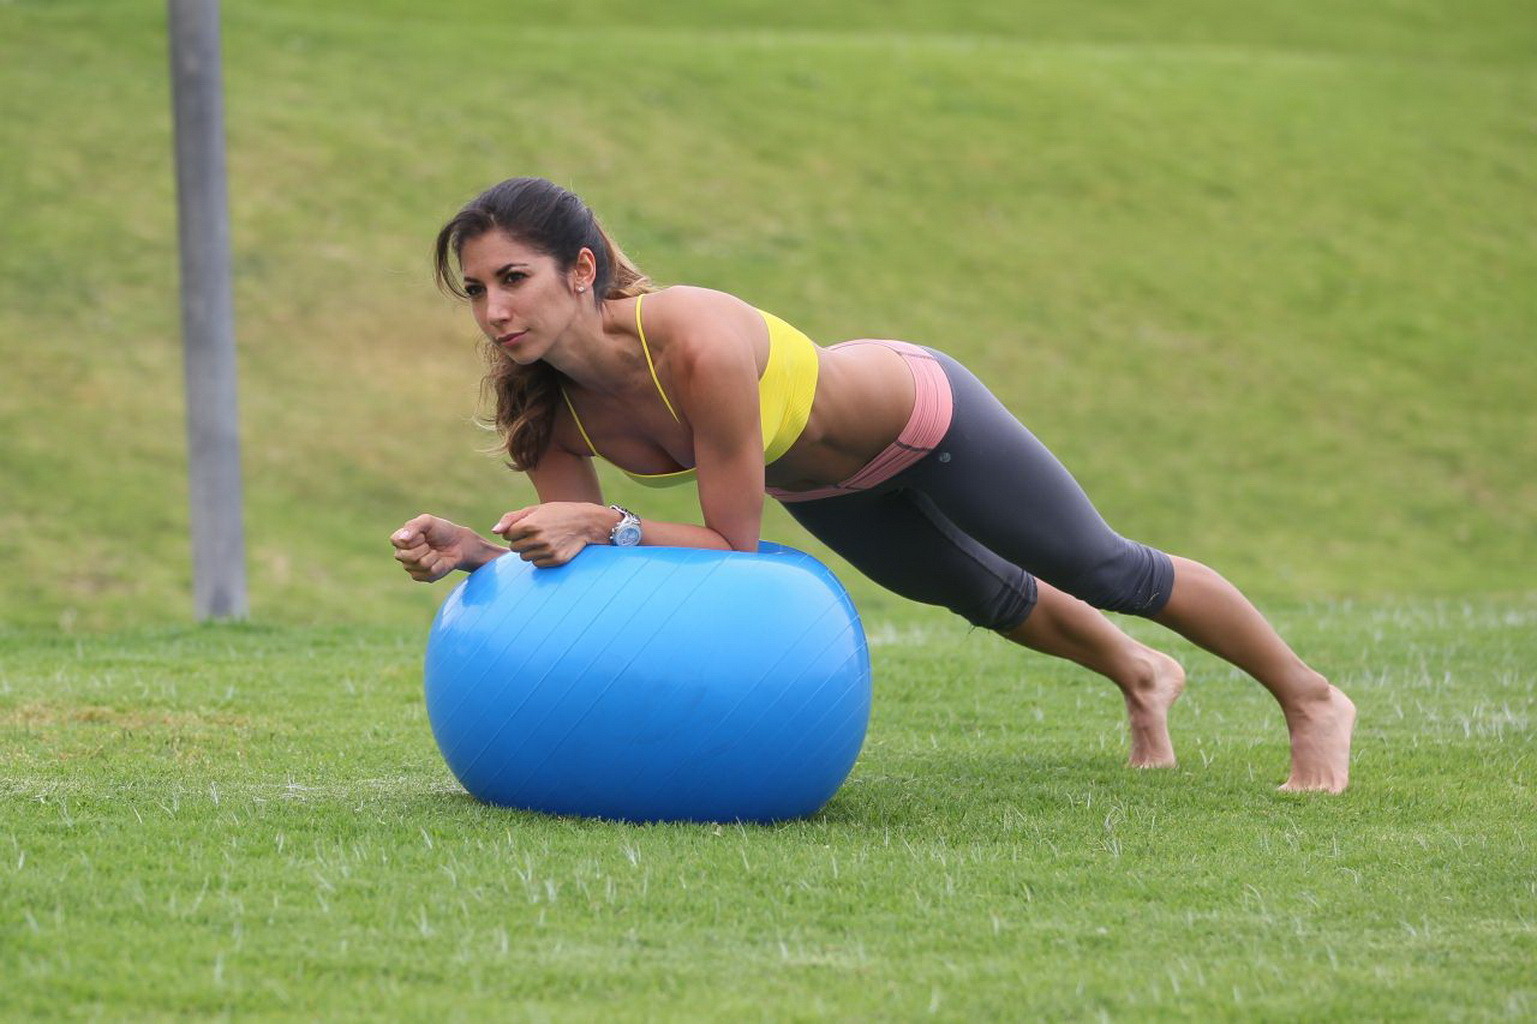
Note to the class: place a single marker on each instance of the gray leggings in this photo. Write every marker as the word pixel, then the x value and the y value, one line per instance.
pixel 972 524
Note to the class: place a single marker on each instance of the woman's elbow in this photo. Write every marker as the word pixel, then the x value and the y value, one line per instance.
pixel 740 540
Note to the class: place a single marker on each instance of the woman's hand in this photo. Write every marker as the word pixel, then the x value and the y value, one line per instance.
pixel 429 548
pixel 555 532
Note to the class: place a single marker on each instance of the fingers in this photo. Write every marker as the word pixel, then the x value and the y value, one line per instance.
pixel 545 540
pixel 420 562
pixel 529 542
pixel 429 571
pixel 416 553
pixel 424 547
pixel 542 553
pixel 528 546
pixel 414 531
pixel 511 519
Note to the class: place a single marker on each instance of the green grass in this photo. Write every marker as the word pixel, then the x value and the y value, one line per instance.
pixel 252 823
pixel 1259 273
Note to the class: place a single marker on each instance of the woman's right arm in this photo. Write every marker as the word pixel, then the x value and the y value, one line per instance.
pixel 430 547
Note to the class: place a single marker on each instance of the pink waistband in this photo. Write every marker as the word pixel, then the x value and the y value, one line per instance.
pixel 926 427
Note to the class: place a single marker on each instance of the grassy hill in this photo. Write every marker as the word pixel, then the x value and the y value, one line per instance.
pixel 1262 278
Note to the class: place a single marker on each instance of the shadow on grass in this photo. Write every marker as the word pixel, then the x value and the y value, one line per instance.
pixel 935 794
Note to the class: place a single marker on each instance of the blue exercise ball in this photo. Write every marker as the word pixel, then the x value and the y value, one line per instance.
pixel 651 684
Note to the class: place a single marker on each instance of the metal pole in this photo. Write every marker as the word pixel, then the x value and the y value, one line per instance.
pixel 207 312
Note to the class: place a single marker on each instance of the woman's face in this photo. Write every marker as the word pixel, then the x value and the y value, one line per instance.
pixel 521 299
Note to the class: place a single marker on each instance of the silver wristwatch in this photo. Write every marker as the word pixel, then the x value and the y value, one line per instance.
pixel 626 532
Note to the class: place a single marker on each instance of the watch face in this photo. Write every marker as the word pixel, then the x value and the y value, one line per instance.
pixel 627 535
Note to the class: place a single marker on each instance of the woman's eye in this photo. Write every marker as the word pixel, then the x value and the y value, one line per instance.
pixel 514 277
pixel 473 290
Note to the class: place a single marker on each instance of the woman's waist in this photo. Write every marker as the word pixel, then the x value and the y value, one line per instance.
pixel 885 405
pixel 864 397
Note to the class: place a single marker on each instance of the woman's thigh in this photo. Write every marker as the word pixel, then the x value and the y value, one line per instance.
pixel 900 540
pixel 993 480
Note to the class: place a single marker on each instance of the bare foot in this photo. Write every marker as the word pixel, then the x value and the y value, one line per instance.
pixel 1320 735
pixel 1147 711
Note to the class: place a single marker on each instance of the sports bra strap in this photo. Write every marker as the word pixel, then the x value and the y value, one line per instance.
pixel 590 446
pixel 649 364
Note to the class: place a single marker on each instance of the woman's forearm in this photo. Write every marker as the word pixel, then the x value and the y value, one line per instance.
pixel 660 533
pixel 553 533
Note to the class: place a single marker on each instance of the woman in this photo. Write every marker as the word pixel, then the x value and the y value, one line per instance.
pixel 893 455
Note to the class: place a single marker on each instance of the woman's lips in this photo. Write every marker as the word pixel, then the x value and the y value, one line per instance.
pixel 510 339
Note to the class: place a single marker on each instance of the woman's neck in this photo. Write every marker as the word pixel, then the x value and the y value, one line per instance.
pixel 600 351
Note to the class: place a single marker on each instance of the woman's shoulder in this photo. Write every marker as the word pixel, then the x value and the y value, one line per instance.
pixel 683 298
pixel 683 310
pixel 701 331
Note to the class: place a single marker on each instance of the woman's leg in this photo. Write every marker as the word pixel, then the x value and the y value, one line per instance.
pixel 1208 610
pixel 903 543
pixel 1150 681
pixel 996 482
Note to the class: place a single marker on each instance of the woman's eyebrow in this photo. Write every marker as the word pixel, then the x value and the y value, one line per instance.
pixel 499 271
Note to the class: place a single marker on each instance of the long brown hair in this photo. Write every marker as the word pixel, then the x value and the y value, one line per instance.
pixel 554 221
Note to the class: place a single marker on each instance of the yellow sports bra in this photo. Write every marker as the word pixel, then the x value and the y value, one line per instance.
pixel 785 392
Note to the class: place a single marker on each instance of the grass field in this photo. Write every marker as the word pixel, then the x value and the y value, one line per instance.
pixel 252 823
pixel 1261 274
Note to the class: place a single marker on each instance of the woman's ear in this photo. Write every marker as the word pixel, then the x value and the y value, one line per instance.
pixel 584 271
